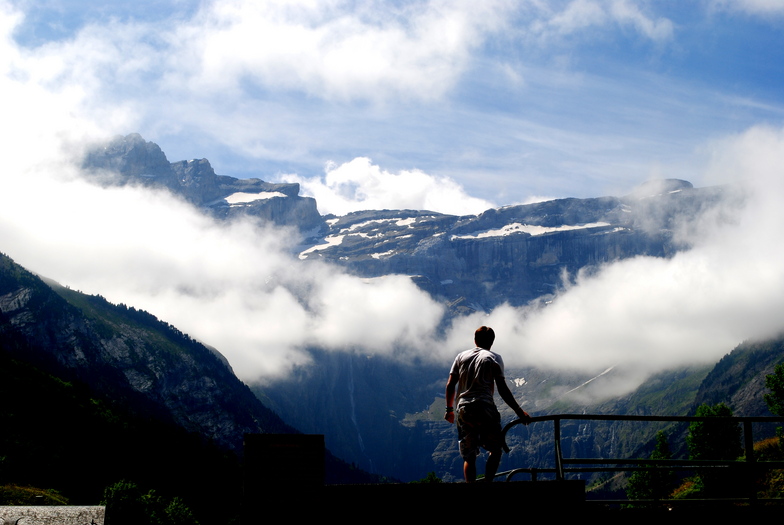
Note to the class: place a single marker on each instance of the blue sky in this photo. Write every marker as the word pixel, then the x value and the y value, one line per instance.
pixel 512 100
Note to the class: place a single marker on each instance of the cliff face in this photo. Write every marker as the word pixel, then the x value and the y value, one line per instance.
pixel 128 354
pixel 512 254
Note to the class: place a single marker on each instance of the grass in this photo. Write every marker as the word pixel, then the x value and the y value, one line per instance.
pixel 15 495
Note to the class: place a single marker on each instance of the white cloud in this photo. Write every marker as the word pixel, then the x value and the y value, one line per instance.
pixel 372 315
pixel 336 50
pixel 361 185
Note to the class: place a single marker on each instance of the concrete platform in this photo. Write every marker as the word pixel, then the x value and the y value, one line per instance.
pixel 53 515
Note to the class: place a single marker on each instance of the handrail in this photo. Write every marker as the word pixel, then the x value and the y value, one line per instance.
pixel 746 421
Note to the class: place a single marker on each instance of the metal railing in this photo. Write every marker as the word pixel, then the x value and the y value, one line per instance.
pixel 749 465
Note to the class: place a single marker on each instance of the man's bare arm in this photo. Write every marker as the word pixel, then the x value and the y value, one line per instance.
pixel 451 385
pixel 508 397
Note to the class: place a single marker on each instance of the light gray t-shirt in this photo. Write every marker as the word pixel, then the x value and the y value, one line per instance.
pixel 477 370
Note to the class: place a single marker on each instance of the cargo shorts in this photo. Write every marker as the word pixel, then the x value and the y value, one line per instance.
pixel 478 425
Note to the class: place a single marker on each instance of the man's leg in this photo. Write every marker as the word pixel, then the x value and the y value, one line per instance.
pixel 493 460
pixel 468 437
pixel 492 440
pixel 469 469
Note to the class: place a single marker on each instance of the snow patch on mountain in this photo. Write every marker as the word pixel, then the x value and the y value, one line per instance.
pixel 390 253
pixel 332 240
pixel 365 224
pixel 244 198
pixel 530 229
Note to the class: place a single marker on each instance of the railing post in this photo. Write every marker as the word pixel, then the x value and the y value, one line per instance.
pixel 559 474
pixel 751 461
pixel 746 471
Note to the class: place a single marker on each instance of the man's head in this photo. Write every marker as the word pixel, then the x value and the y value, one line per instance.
pixel 484 337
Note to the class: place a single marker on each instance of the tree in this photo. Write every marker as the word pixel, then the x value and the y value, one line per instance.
pixel 775 382
pixel 430 478
pixel 775 399
pixel 657 484
pixel 126 503
pixel 715 440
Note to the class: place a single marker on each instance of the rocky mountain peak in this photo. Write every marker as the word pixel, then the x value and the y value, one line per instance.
pixel 131 159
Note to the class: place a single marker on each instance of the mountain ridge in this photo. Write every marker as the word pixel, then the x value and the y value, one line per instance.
pixel 133 359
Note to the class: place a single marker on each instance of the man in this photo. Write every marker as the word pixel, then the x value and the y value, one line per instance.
pixel 475 372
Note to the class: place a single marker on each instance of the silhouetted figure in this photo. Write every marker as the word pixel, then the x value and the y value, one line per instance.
pixel 474 375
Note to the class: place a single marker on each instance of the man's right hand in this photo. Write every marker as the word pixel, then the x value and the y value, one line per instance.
pixel 450 416
pixel 524 417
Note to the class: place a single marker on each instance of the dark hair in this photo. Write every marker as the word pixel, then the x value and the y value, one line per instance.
pixel 484 337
